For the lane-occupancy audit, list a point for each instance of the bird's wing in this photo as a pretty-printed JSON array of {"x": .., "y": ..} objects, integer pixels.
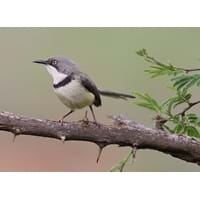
[{"x": 91, "y": 87}]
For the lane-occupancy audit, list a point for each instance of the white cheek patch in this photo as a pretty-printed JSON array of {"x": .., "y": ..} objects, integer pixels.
[{"x": 57, "y": 76}]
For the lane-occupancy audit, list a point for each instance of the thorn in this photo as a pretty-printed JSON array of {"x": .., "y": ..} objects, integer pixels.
[
  {"x": 101, "y": 146},
  {"x": 16, "y": 132},
  {"x": 99, "y": 154},
  {"x": 134, "y": 150},
  {"x": 63, "y": 138},
  {"x": 14, "y": 137}
]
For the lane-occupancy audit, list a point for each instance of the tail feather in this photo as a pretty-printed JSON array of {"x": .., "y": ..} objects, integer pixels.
[{"x": 116, "y": 95}]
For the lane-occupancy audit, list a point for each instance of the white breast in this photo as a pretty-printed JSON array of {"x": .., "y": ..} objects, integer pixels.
[{"x": 74, "y": 95}]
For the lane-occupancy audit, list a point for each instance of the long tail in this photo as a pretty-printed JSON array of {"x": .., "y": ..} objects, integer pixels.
[{"x": 116, "y": 95}]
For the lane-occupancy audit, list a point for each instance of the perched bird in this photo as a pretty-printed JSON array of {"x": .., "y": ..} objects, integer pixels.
[{"x": 74, "y": 88}]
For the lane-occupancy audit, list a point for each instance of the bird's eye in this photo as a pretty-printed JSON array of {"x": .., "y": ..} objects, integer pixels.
[{"x": 54, "y": 62}]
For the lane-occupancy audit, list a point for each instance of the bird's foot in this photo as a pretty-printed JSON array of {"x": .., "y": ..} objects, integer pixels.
[
  {"x": 96, "y": 123},
  {"x": 85, "y": 119},
  {"x": 84, "y": 122}
]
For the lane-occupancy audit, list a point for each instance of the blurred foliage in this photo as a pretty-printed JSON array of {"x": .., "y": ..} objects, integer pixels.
[{"x": 183, "y": 122}]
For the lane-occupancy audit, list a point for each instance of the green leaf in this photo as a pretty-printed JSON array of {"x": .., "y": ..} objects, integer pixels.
[
  {"x": 178, "y": 128},
  {"x": 192, "y": 131},
  {"x": 193, "y": 119},
  {"x": 158, "y": 68},
  {"x": 192, "y": 81},
  {"x": 178, "y": 102},
  {"x": 186, "y": 81},
  {"x": 188, "y": 96},
  {"x": 141, "y": 52},
  {"x": 180, "y": 80},
  {"x": 148, "y": 102},
  {"x": 181, "y": 97},
  {"x": 179, "y": 84},
  {"x": 198, "y": 83},
  {"x": 192, "y": 116}
]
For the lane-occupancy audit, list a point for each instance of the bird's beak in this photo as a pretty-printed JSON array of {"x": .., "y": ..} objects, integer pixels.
[{"x": 44, "y": 62}]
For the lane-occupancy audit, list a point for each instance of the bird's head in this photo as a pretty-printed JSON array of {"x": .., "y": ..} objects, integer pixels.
[{"x": 59, "y": 67}]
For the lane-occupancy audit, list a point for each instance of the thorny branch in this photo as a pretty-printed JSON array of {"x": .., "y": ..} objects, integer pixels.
[{"x": 123, "y": 132}]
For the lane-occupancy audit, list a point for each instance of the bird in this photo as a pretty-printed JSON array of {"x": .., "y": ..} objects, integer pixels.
[{"x": 74, "y": 88}]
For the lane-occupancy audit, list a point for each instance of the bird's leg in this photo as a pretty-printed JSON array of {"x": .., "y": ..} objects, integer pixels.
[
  {"x": 93, "y": 115},
  {"x": 63, "y": 117},
  {"x": 85, "y": 118}
]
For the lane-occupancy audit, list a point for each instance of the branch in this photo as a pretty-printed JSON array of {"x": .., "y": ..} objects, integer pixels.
[
  {"x": 123, "y": 133},
  {"x": 188, "y": 70},
  {"x": 190, "y": 105},
  {"x": 151, "y": 59}
]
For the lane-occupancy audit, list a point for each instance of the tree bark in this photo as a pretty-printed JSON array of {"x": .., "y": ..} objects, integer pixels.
[{"x": 122, "y": 132}]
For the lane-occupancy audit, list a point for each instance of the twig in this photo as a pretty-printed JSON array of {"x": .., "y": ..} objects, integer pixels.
[
  {"x": 153, "y": 60},
  {"x": 190, "y": 105},
  {"x": 188, "y": 70}
]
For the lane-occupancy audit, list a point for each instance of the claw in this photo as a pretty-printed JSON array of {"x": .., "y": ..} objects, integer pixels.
[
  {"x": 85, "y": 119},
  {"x": 61, "y": 120}
]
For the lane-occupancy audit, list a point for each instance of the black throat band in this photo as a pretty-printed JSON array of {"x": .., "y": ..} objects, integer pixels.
[{"x": 64, "y": 82}]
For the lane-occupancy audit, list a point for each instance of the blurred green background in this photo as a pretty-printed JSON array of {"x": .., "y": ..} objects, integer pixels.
[{"x": 108, "y": 56}]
